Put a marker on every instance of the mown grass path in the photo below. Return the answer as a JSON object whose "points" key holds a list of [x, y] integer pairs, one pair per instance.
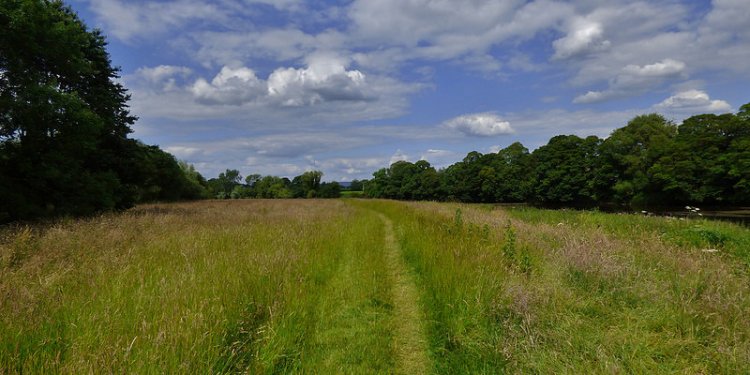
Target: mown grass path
{"points": [[353, 316], [410, 345]]}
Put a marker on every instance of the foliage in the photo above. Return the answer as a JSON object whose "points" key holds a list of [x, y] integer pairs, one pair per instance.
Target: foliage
{"points": [[64, 122], [626, 157], [564, 169], [307, 185], [648, 162]]}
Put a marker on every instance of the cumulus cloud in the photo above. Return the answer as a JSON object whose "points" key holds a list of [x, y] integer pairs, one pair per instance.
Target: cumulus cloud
{"points": [[480, 125], [693, 101], [166, 77], [325, 79], [583, 37], [664, 68], [635, 79], [162, 72], [230, 86]]}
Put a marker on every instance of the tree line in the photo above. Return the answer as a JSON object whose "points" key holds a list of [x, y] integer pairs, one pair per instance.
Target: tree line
{"points": [[650, 162], [307, 185], [64, 123]]}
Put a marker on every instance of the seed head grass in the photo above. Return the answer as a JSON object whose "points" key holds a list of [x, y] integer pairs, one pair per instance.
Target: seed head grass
{"points": [[308, 286]]}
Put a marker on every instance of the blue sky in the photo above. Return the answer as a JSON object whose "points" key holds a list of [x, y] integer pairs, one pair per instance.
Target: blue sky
{"points": [[347, 87]]}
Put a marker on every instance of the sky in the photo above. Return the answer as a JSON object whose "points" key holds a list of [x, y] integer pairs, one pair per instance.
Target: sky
{"points": [[280, 87]]}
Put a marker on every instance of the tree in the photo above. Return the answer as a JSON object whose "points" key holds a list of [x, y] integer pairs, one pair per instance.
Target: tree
{"points": [[357, 185], [375, 188], [564, 171], [707, 162], [272, 187], [463, 180], [64, 119], [227, 181], [196, 187], [626, 157], [308, 183], [513, 167], [330, 190]]}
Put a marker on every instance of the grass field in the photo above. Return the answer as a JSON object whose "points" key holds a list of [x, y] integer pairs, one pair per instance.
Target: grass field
{"points": [[363, 286]]}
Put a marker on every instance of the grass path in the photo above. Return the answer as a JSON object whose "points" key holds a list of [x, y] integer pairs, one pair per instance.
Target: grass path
{"points": [[352, 334], [410, 345]]}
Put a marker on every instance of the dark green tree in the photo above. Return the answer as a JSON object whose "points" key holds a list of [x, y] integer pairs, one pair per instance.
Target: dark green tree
{"points": [[223, 186], [357, 185], [513, 165], [706, 162], [309, 183], [463, 180], [626, 157], [330, 190], [564, 170], [63, 117]]}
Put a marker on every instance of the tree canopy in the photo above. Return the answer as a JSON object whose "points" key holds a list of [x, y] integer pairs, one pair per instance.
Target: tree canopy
{"points": [[648, 162], [64, 121]]}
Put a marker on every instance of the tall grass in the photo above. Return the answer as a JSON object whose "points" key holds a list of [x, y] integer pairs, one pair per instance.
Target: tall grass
{"points": [[257, 286], [305, 286], [538, 291]]}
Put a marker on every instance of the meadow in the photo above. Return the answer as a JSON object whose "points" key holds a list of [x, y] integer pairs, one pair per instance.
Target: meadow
{"points": [[373, 286]]}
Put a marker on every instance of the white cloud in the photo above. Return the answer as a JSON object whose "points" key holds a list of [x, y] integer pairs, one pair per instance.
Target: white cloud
{"points": [[404, 30], [583, 37], [230, 86], [128, 20], [182, 152], [693, 101], [635, 79], [398, 156], [664, 68], [593, 97], [212, 48], [324, 91], [440, 158], [162, 72], [325, 79], [434, 153], [347, 169], [480, 124], [166, 77]]}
